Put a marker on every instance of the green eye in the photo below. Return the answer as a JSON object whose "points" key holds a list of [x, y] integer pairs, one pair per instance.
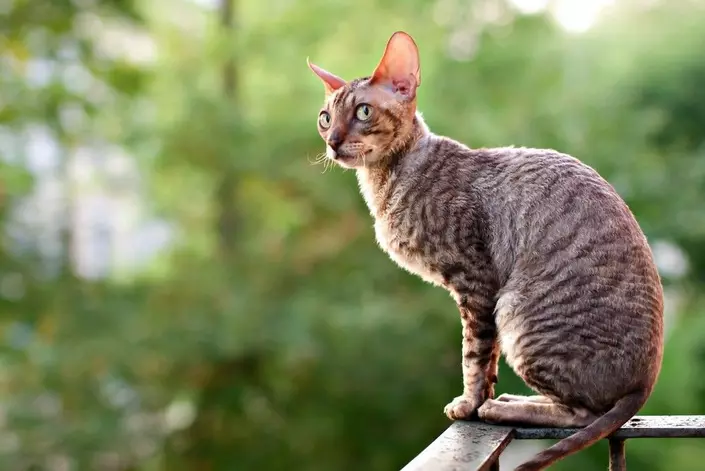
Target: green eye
{"points": [[324, 119], [363, 112]]}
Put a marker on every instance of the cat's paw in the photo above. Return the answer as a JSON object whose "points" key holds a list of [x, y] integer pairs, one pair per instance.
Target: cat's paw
{"points": [[462, 407], [516, 398], [487, 412]]}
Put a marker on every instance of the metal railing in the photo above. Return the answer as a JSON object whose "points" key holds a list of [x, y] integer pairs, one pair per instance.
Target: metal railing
{"points": [[476, 446]]}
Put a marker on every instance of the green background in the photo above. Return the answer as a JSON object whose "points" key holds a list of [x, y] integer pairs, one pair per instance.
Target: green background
{"points": [[182, 289]]}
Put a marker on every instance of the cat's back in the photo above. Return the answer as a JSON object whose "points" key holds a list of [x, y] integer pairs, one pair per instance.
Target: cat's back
{"points": [[548, 206]]}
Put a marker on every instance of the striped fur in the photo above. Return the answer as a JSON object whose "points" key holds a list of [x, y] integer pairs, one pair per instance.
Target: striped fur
{"points": [[542, 257]]}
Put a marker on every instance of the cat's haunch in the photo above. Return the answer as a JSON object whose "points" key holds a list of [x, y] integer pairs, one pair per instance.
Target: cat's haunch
{"points": [[544, 260]]}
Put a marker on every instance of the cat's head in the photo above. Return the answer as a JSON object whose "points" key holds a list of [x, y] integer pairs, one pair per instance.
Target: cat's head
{"points": [[366, 120]]}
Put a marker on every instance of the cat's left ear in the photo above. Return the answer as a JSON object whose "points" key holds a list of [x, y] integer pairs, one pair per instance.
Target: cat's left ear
{"points": [[399, 69], [330, 81]]}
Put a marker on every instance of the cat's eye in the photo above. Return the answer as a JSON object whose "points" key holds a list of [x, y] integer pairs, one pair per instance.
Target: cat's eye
{"points": [[324, 119], [363, 112]]}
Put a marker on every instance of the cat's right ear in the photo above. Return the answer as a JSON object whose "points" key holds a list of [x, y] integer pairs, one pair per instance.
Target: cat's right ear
{"points": [[330, 81]]}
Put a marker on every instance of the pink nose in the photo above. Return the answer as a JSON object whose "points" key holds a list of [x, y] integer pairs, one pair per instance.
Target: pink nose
{"points": [[335, 139]]}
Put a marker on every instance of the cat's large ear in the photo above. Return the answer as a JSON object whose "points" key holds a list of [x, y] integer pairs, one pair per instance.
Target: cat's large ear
{"points": [[399, 68], [330, 81]]}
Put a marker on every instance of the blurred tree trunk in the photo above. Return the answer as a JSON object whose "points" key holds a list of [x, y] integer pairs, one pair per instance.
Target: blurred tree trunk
{"points": [[227, 221]]}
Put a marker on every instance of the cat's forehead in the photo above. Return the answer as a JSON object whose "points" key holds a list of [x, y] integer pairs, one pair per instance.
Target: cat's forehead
{"points": [[358, 91]]}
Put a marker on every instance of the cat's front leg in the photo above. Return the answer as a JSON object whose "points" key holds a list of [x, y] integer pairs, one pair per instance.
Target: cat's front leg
{"points": [[480, 357]]}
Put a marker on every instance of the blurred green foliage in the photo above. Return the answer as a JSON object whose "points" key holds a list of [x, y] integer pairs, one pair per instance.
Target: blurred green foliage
{"points": [[267, 330]]}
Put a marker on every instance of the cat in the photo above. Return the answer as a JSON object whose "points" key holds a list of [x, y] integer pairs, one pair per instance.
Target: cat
{"points": [[544, 260]]}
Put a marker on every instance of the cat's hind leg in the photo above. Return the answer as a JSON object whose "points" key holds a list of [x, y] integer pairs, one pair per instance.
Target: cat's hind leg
{"points": [[542, 414]]}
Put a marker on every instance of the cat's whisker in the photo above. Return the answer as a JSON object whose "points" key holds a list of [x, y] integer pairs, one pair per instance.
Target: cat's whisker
{"points": [[320, 158]]}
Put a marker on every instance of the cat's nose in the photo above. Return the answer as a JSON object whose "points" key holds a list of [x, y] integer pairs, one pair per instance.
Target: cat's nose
{"points": [[335, 140]]}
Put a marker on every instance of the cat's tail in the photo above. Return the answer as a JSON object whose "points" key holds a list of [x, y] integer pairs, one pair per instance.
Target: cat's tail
{"points": [[623, 410]]}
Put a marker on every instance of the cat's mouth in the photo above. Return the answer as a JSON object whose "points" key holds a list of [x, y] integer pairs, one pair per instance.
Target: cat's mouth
{"points": [[342, 157], [351, 160]]}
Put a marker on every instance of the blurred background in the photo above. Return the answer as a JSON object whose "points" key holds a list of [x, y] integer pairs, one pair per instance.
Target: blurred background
{"points": [[182, 289]]}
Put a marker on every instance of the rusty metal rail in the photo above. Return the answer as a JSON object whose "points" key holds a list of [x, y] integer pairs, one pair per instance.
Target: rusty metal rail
{"points": [[476, 446]]}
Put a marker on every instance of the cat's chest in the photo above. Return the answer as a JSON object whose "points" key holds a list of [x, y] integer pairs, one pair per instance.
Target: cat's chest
{"points": [[410, 247]]}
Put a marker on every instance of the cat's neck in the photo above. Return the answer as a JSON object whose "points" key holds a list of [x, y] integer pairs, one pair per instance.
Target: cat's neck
{"points": [[375, 181]]}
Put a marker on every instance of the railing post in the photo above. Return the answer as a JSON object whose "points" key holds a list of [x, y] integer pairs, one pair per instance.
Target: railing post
{"points": [[618, 459]]}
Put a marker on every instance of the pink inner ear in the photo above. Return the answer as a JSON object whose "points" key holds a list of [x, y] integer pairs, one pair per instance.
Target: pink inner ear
{"points": [[399, 67], [330, 81]]}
